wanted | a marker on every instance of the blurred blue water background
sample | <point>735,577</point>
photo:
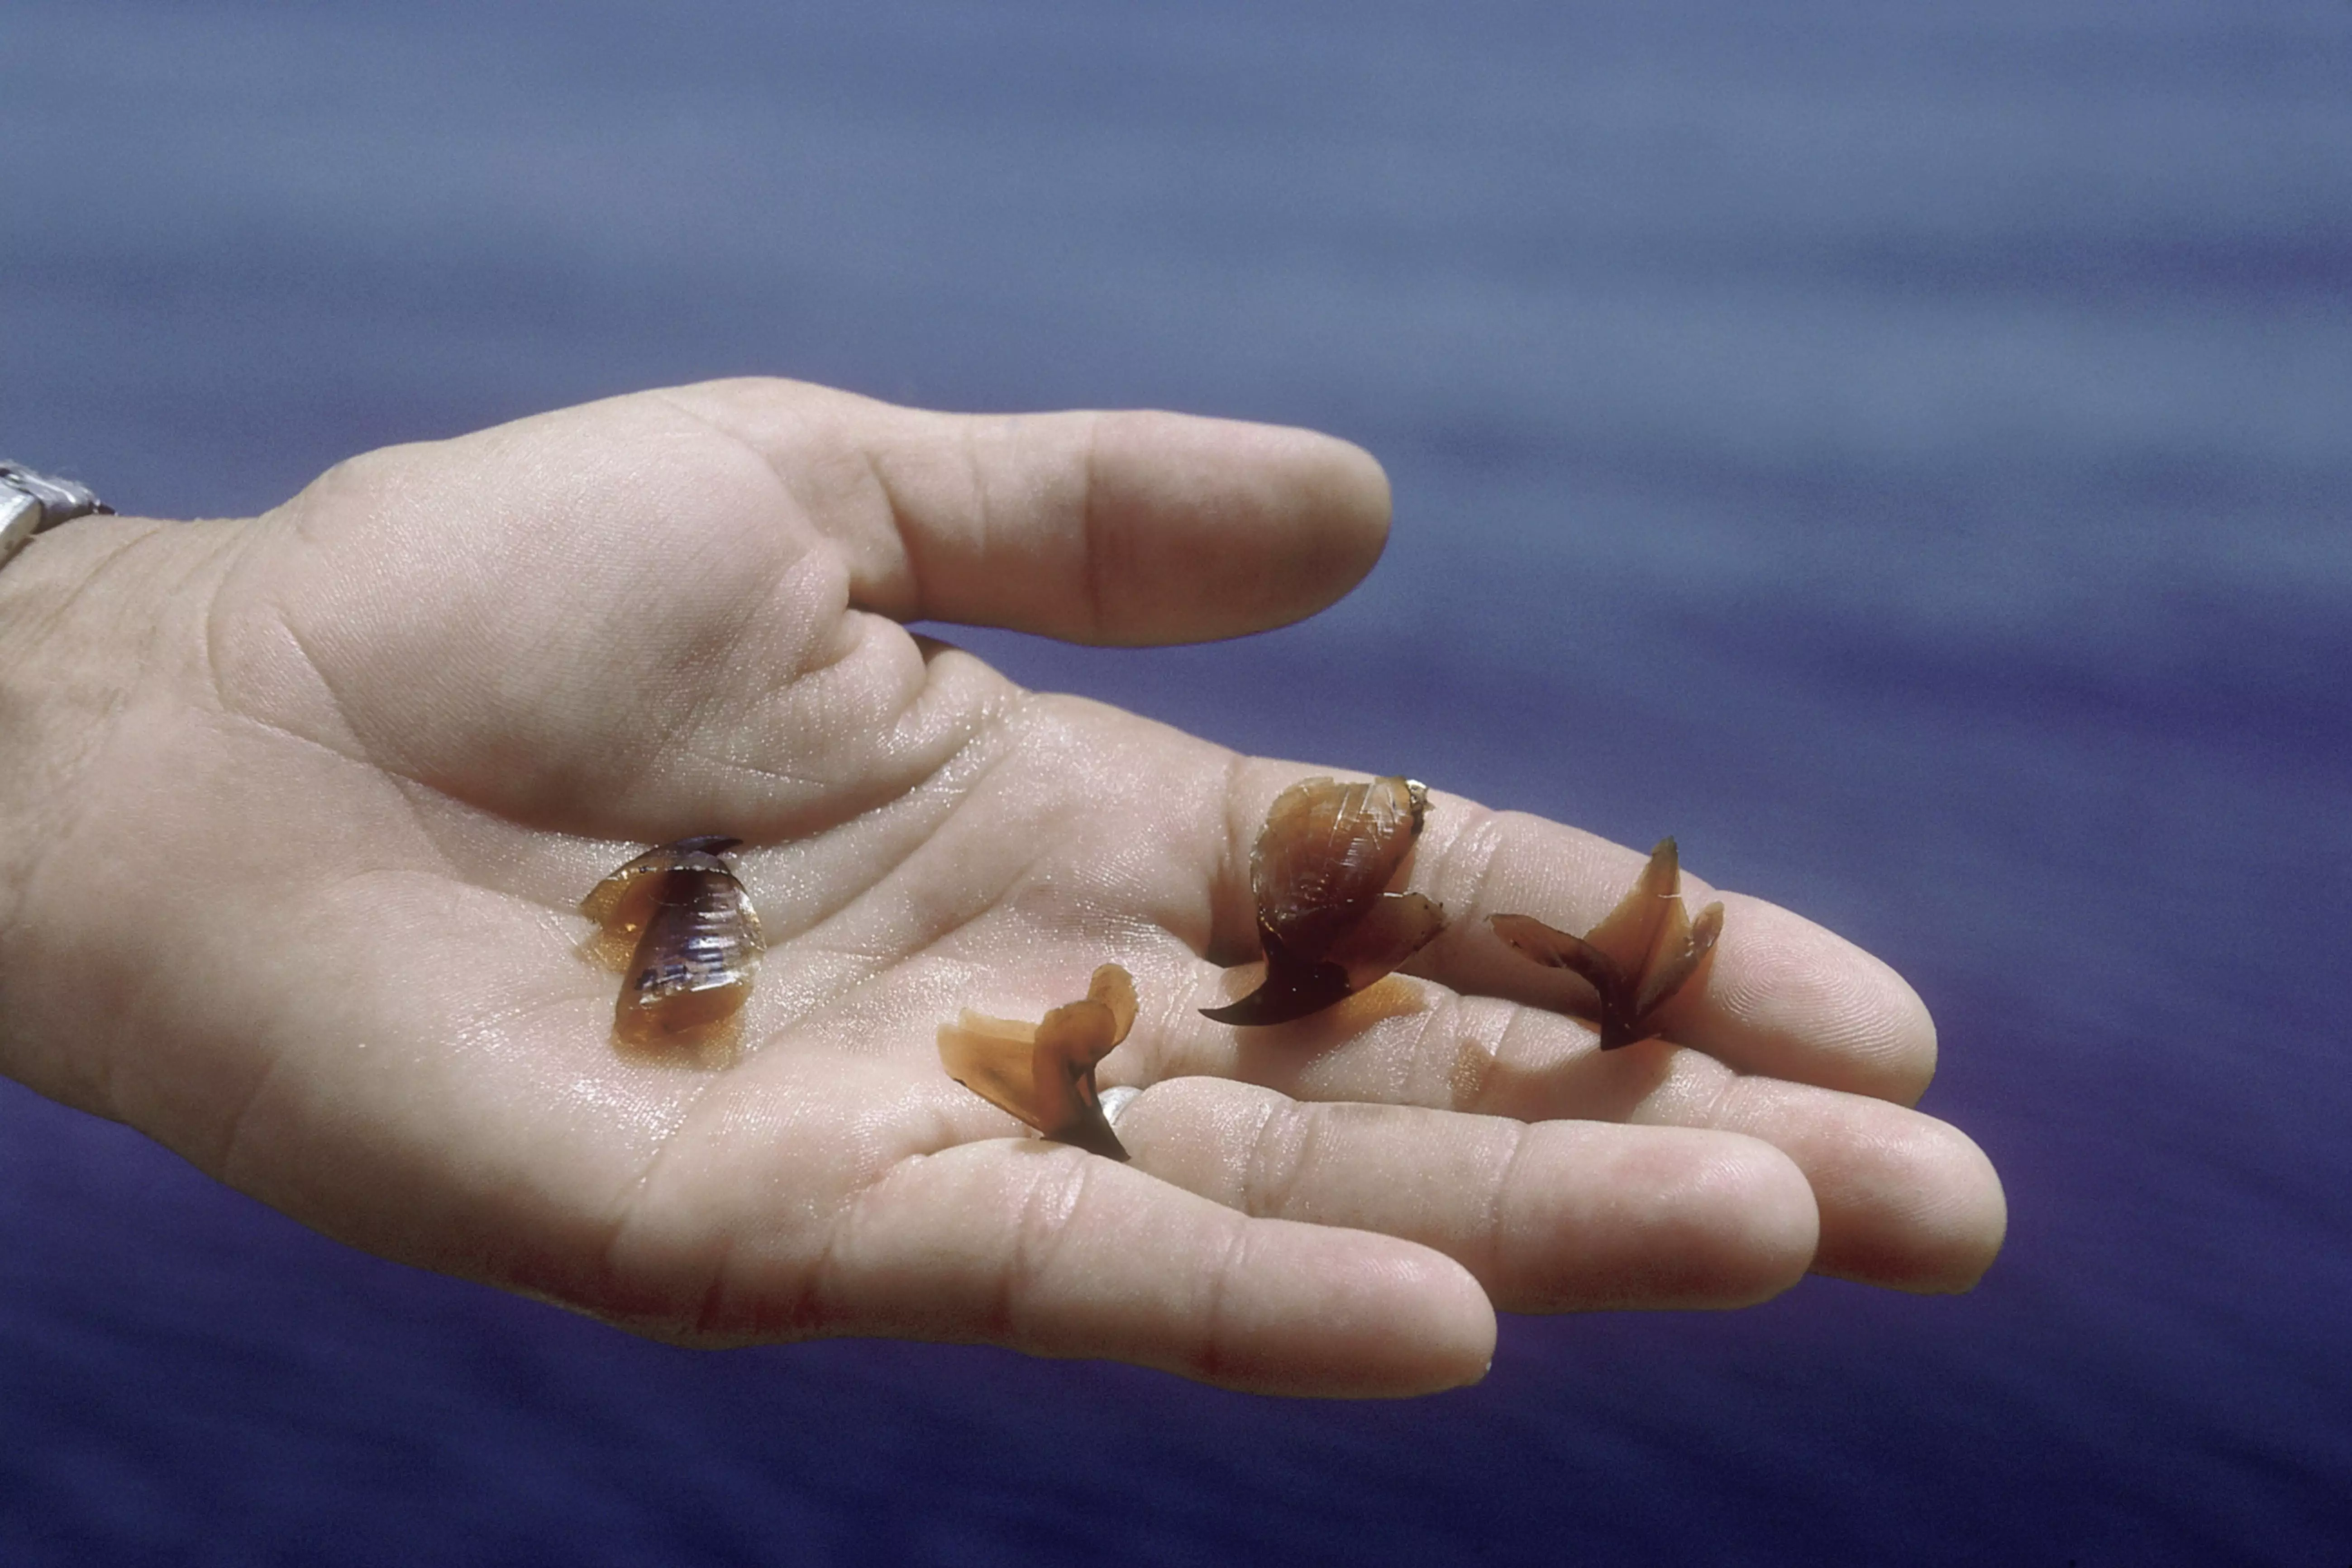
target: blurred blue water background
<point>1900,449</point>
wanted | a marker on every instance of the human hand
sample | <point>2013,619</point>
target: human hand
<point>298,810</point>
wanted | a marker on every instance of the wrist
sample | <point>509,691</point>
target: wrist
<point>101,620</point>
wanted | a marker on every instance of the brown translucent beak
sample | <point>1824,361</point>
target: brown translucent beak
<point>1043,1073</point>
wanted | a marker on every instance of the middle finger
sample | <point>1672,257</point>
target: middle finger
<point>1551,1217</point>
<point>1904,1200</point>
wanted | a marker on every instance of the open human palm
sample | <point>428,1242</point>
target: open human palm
<point>299,901</point>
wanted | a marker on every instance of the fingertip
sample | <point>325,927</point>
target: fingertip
<point>1789,998</point>
<point>1973,1223</point>
<point>1215,528</point>
<point>1939,1221</point>
<point>1354,505</point>
<point>1704,1220</point>
<point>1757,1200</point>
<point>1346,1314</point>
<point>1462,1321</point>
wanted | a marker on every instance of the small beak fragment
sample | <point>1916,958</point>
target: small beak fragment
<point>1639,955</point>
<point>683,934</point>
<point>1043,1073</point>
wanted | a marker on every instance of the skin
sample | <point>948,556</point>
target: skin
<point>296,810</point>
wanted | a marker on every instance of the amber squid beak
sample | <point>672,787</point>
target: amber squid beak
<point>1090,1130</point>
<point>1291,990</point>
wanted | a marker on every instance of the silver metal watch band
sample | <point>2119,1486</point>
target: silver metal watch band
<point>33,503</point>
